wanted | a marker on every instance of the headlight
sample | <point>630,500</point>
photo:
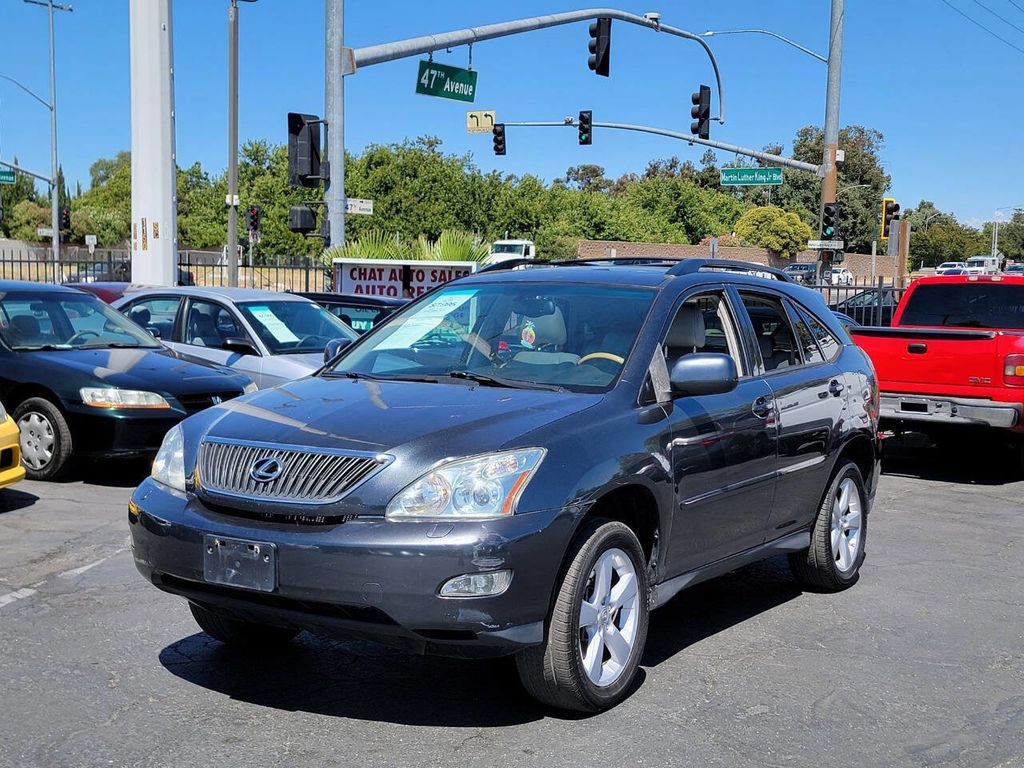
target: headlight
<point>249,388</point>
<point>469,489</point>
<point>3,413</point>
<point>169,464</point>
<point>112,397</point>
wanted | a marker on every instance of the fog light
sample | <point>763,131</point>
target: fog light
<point>477,584</point>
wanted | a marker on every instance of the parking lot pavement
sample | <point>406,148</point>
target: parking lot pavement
<point>922,663</point>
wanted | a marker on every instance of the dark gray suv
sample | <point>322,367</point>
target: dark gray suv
<point>526,461</point>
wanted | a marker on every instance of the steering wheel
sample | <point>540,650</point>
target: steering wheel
<point>601,356</point>
<point>82,335</point>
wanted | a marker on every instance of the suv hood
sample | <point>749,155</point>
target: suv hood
<point>412,418</point>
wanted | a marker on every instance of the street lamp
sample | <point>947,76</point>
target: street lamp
<point>850,186</point>
<point>776,35</point>
<point>232,199</point>
<point>995,227</point>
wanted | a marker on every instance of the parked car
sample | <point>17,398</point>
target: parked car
<point>869,307</point>
<point>952,365</point>
<point>947,267</point>
<point>982,265</point>
<point>115,272</point>
<point>841,276</point>
<point>1014,269</point>
<point>360,313</point>
<point>847,321</point>
<point>106,291</point>
<point>525,461</point>
<point>806,273</point>
<point>81,380</point>
<point>271,337</point>
<point>11,470</point>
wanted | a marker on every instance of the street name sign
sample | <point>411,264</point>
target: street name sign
<point>44,231</point>
<point>446,82</point>
<point>6,176</point>
<point>481,121</point>
<point>826,245</point>
<point>358,205</point>
<point>748,177</point>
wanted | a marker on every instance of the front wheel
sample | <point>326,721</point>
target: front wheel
<point>597,627</point>
<point>44,436</point>
<point>832,562</point>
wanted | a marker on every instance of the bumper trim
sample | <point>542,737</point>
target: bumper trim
<point>949,410</point>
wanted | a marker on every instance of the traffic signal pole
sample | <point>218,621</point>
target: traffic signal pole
<point>334,111</point>
<point>832,88</point>
<point>232,199</point>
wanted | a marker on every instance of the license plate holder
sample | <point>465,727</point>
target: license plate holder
<point>240,563</point>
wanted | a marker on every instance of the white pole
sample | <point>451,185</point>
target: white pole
<point>154,175</point>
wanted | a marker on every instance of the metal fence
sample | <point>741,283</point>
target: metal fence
<point>77,265</point>
<point>866,303</point>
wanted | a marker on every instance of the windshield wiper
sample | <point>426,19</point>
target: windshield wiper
<point>496,381</point>
<point>391,377</point>
<point>43,348</point>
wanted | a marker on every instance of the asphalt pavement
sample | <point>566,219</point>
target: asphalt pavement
<point>920,664</point>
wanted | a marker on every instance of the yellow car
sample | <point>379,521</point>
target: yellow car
<point>11,470</point>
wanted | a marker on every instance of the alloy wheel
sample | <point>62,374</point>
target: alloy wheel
<point>609,616</point>
<point>846,525</point>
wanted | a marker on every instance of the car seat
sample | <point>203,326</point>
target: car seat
<point>201,330</point>
<point>25,329</point>
<point>140,316</point>
<point>549,335</point>
<point>687,334</point>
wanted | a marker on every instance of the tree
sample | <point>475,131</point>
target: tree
<point>782,233</point>
<point>587,177</point>
<point>23,189</point>
<point>25,218</point>
<point>1011,237</point>
<point>944,241</point>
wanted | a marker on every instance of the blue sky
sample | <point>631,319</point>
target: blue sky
<point>911,69</point>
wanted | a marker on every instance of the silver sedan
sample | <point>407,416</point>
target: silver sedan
<point>273,337</point>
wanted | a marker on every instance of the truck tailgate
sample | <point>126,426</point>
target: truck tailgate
<point>940,358</point>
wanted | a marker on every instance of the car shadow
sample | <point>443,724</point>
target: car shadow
<point>12,500</point>
<point>109,473</point>
<point>366,681</point>
<point>971,462</point>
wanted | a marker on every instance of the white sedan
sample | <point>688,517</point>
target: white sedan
<point>841,276</point>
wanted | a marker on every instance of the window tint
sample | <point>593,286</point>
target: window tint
<point>966,305</point>
<point>775,338</point>
<point>703,324</point>
<point>807,342</point>
<point>827,343</point>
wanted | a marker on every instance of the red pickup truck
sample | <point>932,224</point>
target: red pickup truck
<point>953,361</point>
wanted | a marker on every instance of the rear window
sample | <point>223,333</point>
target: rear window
<point>966,305</point>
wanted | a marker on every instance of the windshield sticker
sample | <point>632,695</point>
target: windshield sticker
<point>429,318</point>
<point>281,332</point>
<point>528,337</point>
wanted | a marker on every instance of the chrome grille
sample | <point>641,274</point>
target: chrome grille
<point>309,475</point>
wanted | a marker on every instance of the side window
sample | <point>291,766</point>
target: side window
<point>209,325</point>
<point>808,343</point>
<point>156,312</point>
<point>775,338</point>
<point>830,346</point>
<point>703,324</point>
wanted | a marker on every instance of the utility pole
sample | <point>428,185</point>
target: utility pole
<point>835,68</point>
<point>54,184</point>
<point>232,198</point>
<point>334,111</point>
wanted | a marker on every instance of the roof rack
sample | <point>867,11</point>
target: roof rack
<point>513,263</point>
<point>692,266</point>
<point>626,261</point>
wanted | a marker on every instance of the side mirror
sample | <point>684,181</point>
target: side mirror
<point>334,348</point>
<point>153,331</point>
<point>703,373</point>
<point>241,346</point>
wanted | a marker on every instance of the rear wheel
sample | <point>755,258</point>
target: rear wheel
<point>832,562</point>
<point>244,634</point>
<point>44,436</point>
<point>597,627</point>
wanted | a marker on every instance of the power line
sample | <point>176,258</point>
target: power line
<point>984,28</point>
<point>1018,6</point>
<point>1001,18</point>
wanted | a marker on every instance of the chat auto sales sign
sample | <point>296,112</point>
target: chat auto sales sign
<point>396,279</point>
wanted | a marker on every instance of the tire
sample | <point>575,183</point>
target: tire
<point>832,562</point>
<point>240,634</point>
<point>556,672</point>
<point>46,443</point>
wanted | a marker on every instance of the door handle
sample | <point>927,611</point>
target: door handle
<point>917,348</point>
<point>836,387</point>
<point>761,407</point>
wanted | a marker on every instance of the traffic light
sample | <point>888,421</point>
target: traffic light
<point>586,124</point>
<point>499,138</point>
<point>252,218</point>
<point>303,150</point>
<point>600,46</point>
<point>301,219</point>
<point>830,213</point>
<point>890,211</point>
<point>65,219</point>
<point>701,112</point>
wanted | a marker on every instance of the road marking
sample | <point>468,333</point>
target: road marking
<point>10,597</point>
<point>79,571</point>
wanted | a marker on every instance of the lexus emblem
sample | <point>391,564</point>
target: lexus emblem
<point>266,469</point>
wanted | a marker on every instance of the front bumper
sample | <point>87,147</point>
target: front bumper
<point>949,410</point>
<point>366,577</point>
<point>11,470</point>
<point>98,433</point>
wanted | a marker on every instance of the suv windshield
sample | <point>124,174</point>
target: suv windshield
<point>974,305</point>
<point>33,320</point>
<point>294,327</point>
<point>517,335</point>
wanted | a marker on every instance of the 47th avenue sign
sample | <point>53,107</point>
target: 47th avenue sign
<point>6,176</point>
<point>739,177</point>
<point>446,82</point>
